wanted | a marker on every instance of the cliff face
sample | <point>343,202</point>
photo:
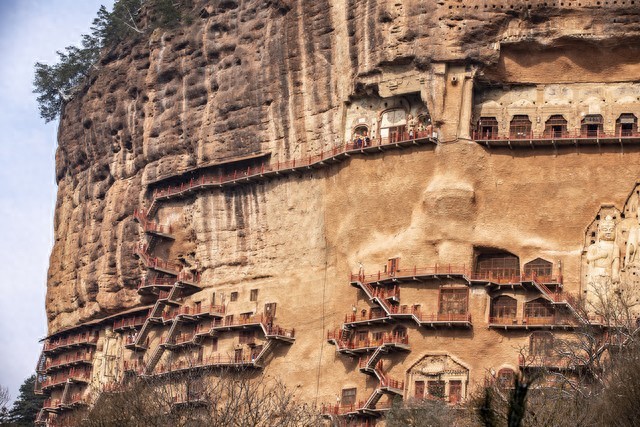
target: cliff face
<point>527,115</point>
<point>254,76</point>
<point>279,77</point>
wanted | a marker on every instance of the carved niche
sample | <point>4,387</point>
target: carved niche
<point>438,376</point>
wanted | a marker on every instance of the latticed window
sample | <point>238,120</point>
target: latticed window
<point>541,344</point>
<point>488,127</point>
<point>505,378</point>
<point>591,125</point>
<point>538,308</point>
<point>419,390</point>
<point>626,124</point>
<point>498,265</point>
<point>400,331</point>
<point>555,126</point>
<point>435,389</point>
<point>504,307</point>
<point>520,127</point>
<point>393,125</point>
<point>538,267</point>
<point>454,301</point>
<point>348,396</point>
<point>246,337</point>
<point>455,391</point>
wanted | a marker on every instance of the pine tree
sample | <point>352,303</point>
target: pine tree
<point>27,405</point>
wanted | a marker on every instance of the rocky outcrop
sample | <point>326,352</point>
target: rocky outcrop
<point>275,77</point>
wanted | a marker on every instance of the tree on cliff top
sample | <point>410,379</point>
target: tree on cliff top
<point>55,84</point>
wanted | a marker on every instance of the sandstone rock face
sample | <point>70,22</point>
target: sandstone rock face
<point>290,79</point>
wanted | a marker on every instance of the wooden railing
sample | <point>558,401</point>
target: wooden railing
<point>150,226</point>
<point>86,356</point>
<point>354,343</point>
<point>207,179</point>
<point>130,322</point>
<point>156,281</point>
<point>461,270</point>
<point>62,377</point>
<point>554,320</point>
<point>546,135</point>
<point>213,360</point>
<point>72,340</point>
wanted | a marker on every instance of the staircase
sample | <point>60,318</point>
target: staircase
<point>265,350</point>
<point>373,399</point>
<point>65,393</point>
<point>153,361</point>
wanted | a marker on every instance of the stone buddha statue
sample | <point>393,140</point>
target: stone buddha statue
<point>603,264</point>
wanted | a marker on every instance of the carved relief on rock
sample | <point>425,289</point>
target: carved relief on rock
<point>630,238</point>
<point>438,376</point>
<point>602,259</point>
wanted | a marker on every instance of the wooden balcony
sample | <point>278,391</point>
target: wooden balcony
<point>370,317</point>
<point>61,378</point>
<point>129,323</point>
<point>72,341</point>
<point>354,346</point>
<point>557,140</point>
<point>558,321</point>
<point>64,361</point>
<point>413,274</point>
<point>149,286</point>
<point>195,180</point>
<point>152,227</point>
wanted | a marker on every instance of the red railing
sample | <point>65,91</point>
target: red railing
<point>188,277</point>
<point>156,281</point>
<point>86,356</point>
<point>213,360</point>
<point>456,270</point>
<point>154,262</point>
<point>340,409</point>
<point>182,338</point>
<point>216,179</point>
<point>76,339</point>
<point>132,366</point>
<point>444,317</point>
<point>410,272</point>
<point>130,322</point>
<point>51,403</point>
<point>258,319</point>
<point>355,343</point>
<point>281,332</point>
<point>478,136</point>
<point>364,316</point>
<point>62,377</point>
<point>131,339</point>
<point>555,320</point>
<point>76,399</point>
<point>337,409</point>
<point>150,226</point>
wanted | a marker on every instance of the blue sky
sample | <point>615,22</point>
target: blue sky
<point>30,31</point>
